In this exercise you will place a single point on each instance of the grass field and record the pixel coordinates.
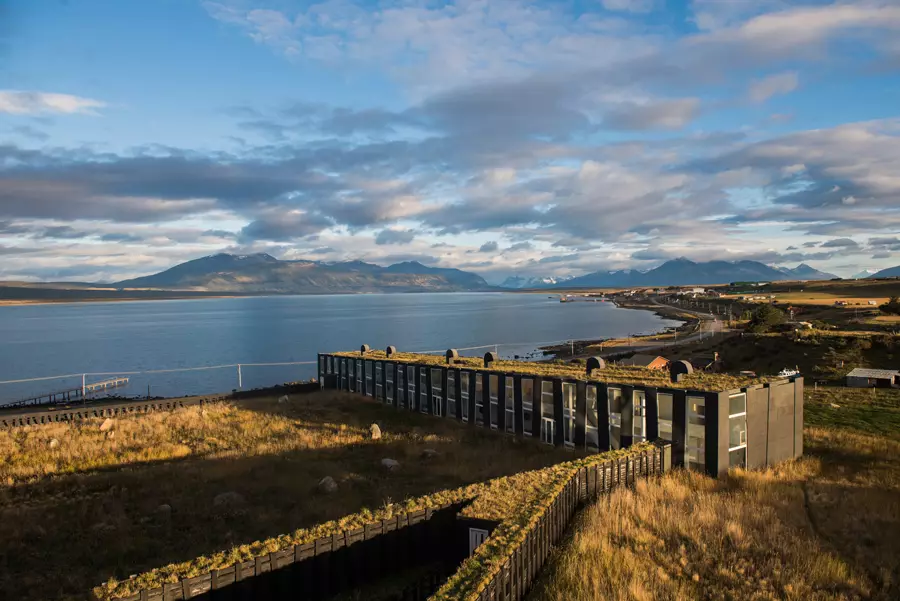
(822, 527)
(96, 505)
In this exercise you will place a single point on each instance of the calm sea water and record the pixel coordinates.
(49, 340)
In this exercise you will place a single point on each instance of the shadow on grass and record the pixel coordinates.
(63, 536)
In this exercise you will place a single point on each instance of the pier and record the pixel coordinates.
(70, 394)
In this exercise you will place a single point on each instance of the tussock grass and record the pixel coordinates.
(823, 527)
(618, 374)
(89, 511)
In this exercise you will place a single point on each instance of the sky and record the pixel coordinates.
(505, 138)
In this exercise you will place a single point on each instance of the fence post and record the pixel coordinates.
(240, 386)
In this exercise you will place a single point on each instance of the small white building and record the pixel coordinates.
(873, 378)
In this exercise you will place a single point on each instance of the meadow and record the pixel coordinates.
(821, 527)
(83, 504)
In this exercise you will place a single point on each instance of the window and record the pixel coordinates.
(569, 393)
(479, 398)
(321, 369)
(664, 413)
(548, 424)
(359, 376)
(510, 401)
(451, 394)
(737, 430)
(379, 390)
(592, 432)
(368, 378)
(390, 381)
(639, 421)
(401, 396)
(423, 391)
(495, 395)
(411, 382)
(464, 395)
(614, 405)
(329, 365)
(343, 374)
(696, 434)
(527, 405)
(437, 392)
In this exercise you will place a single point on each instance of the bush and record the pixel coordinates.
(765, 319)
(892, 307)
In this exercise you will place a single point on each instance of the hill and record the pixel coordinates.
(682, 272)
(262, 273)
(890, 272)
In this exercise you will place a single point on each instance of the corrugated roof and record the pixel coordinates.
(881, 374)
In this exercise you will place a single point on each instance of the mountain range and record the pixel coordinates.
(890, 272)
(519, 282)
(263, 273)
(680, 272)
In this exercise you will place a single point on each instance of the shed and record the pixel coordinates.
(648, 361)
(862, 377)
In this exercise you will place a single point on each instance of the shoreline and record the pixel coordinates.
(689, 324)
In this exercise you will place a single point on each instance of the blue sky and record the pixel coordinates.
(502, 137)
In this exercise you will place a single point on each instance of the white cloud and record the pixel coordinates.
(781, 83)
(17, 102)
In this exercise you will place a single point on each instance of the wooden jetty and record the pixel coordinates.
(70, 394)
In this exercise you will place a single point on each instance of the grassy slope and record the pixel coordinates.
(87, 509)
(823, 527)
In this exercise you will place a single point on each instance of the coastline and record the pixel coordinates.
(619, 346)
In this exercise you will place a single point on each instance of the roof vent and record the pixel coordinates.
(490, 358)
(595, 363)
(390, 351)
(451, 355)
(679, 369)
(364, 349)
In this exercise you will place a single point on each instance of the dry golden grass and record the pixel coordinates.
(88, 510)
(823, 527)
(617, 374)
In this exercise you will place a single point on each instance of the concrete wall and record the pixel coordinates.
(757, 426)
(781, 422)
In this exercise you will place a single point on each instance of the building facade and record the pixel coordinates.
(709, 430)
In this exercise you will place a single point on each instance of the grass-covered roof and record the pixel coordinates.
(611, 374)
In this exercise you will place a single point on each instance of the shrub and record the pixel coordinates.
(892, 307)
(765, 319)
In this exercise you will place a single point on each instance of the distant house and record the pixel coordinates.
(873, 378)
(648, 361)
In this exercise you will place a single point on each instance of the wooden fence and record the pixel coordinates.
(518, 573)
(330, 565)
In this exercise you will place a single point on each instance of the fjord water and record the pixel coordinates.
(115, 337)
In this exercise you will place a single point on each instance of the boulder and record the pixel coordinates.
(228, 500)
(375, 432)
(284, 399)
(54, 444)
(107, 425)
(164, 511)
(429, 454)
(327, 485)
(390, 464)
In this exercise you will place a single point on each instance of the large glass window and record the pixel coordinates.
(379, 390)
(527, 405)
(451, 394)
(665, 410)
(411, 383)
(639, 421)
(464, 395)
(343, 374)
(423, 391)
(369, 378)
(592, 433)
(495, 395)
(479, 400)
(614, 408)
(390, 381)
(510, 402)
(548, 424)
(569, 393)
(359, 376)
(737, 430)
(401, 389)
(696, 434)
(437, 394)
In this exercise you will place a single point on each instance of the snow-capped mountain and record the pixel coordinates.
(519, 282)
